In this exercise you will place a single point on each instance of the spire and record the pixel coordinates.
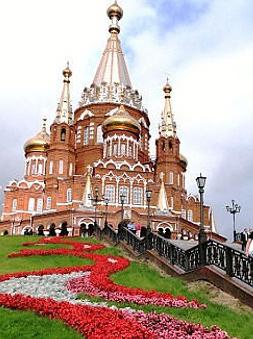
(44, 127)
(162, 198)
(168, 125)
(88, 189)
(64, 108)
(112, 67)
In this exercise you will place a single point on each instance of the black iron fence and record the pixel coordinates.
(234, 263)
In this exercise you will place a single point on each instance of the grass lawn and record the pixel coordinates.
(238, 323)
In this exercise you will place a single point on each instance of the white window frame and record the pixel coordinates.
(110, 193)
(183, 214)
(69, 195)
(39, 205)
(100, 139)
(49, 203)
(137, 196)
(14, 205)
(86, 135)
(70, 169)
(31, 205)
(61, 166)
(171, 178)
(189, 215)
(40, 168)
(51, 166)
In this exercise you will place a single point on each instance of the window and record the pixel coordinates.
(172, 202)
(189, 215)
(69, 195)
(63, 134)
(60, 166)
(33, 168)
(70, 169)
(40, 169)
(39, 205)
(14, 205)
(86, 135)
(49, 203)
(99, 135)
(31, 204)
(178, 179)
(130, 151)
(51, 164)
(138, 196)
(183, 214)
(115, 149)
(91, 131)
(123, 190)
(171, 178)
(123, 149)
(110, 193)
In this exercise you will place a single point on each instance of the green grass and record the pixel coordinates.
(16, 324)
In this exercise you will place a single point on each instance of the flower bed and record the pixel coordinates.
(107, 322)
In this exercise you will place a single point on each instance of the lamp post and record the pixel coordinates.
(148, 235)
(234, 209)
(201, 181)
(95, 199)
(122, 201)
(106, 210)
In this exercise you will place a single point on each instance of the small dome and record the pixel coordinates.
(183, 159)
(67, 72)
(115, 10)
(121, 120)
(167, 88)
(38, 143)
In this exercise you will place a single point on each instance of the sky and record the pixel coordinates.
(205, 47)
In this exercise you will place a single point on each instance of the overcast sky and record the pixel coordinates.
(204, 46)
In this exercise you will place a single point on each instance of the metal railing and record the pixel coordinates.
(234, 263)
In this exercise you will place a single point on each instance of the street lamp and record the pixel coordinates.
(106, 210)
(95, 200)
(122, 201)
(234, 209)
(148, 198)
(201, 181)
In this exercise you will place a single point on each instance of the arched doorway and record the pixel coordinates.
(27, 231)
(83, 230)
(52, 230)
(41, 230)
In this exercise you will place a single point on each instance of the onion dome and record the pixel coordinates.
(38, 143)
(167, 88)
(115, 11)
(67, 73)
(183, 159)
(123, 121)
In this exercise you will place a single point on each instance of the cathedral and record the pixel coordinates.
(95, 165)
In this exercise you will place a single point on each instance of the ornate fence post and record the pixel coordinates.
(229, 262)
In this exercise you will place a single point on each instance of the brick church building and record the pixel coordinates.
(101, 152)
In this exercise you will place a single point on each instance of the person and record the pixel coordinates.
(244, 239)
(249, 246)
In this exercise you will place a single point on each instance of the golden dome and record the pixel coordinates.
(121, 120)
(38, 143)
(67, 72)
(183, 159)
(115, 10)
(167, 88)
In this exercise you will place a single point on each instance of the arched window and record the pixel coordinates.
(110, 193)
(123, 149)
(51, 165)
(99, 135)
(130, 151)
(115, 149)
(39, 205)
(70, 169)
(49, 203)
(124, 190)
(14, 205)
(138, 196)
(189, 215)
(63, 134)
(86, 135)
(31, 204)
(40, 169)
(171, 179)
(69, 195)
(183, 214)
(60, 166)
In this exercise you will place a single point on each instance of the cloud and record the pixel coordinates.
(205, 47)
